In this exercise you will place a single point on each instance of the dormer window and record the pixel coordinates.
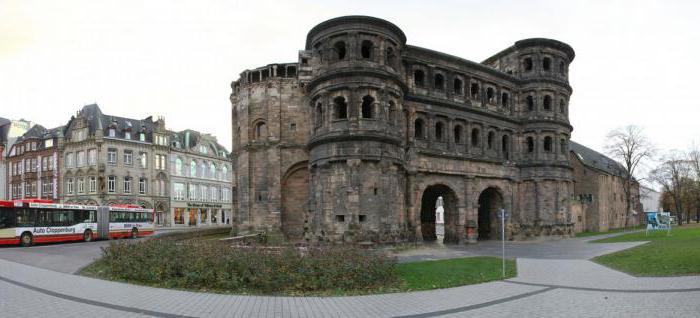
(142, 137)
(127, 135)
(112, 132)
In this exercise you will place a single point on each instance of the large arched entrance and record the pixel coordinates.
(490, 202)
(427, 214)
(295, 194)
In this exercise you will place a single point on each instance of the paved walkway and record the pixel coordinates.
(543, 288)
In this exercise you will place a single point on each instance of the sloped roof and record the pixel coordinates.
(97, 120)
(596, 160)
(188, 139)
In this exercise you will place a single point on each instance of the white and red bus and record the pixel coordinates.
(36, 221)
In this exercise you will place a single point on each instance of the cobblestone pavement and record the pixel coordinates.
(547, 285)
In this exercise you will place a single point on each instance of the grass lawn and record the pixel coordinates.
(677, 254)
(452, 272)
(588, 233)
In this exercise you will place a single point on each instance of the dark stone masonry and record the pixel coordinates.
(356, 140)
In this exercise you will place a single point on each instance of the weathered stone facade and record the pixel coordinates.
(599, 192)
(358, 139)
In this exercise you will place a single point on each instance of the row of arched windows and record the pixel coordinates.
(546, 64)
(547, 104)
(368, 109)
(367, 51)
(204, 169)
(438, 84)
(547, 144)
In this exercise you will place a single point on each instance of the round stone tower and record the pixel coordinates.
(356, 154)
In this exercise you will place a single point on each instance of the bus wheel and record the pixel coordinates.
(134, 233)
(87, 236)
(26, 239)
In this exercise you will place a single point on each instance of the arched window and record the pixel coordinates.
(562, 146)
(202, 170)
(504, 99)
(439, 82)
(340, 108)
(224, 173)
(390, 57)
(547, 144)
(527, 64)
(193, 169)
(546, 64)
(367, 105)
(260, 130)
(475, 137)
(339, 48)
(547, 103)
(489, 139)
(418, 78)
(530, 103)
(489, 95)
(319, 115)
(505, 147)
(418, 127)
(392, 112)
(530, 145)
(366, 49)
(457, 86)
(474, 91)
(439, 128)
(562, 106)
(457, 133)
(212, 170)
(178, 166)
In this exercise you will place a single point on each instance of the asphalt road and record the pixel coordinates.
(61, 257)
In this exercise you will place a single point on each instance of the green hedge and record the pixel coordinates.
(196, 264)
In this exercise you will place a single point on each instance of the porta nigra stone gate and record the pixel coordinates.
(356, 141)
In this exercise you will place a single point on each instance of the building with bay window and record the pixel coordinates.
(200, 174)
(114, 160)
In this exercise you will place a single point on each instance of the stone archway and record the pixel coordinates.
(490, 202)
(427, 214)
(295, 195)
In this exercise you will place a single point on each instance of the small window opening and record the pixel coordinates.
(505, 147)
(474, 90)
(530, 145)
(439, 82)
(457, 86)
(367, 105)
(418, 128)
(291, 71)
(530, 103)
(547, 103)
(375, 190)
(366, 49)
(304, 61)
(339, 48)
(546, 64)
(340, 218)
(475, 137)
(548, 144)
(439, 126)
(340, 108)
(418, 78)
(319, 114)
(260, 130)
(362, 218)
(489, 94)
(458, 134)
(489, 139)
(528, 64)
(504, 99)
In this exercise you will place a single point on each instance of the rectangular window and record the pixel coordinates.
(214, 194)
(127, 157)
(34, 188)
(44, 163)
(203, 189)
(81, 185)
(81, 158)
(127, 135)
(224, 194)
(93, 185)
(112, 156)
(111, 184)
(112, 132)
(69, 186)
(142, 186)
(92, 157)
(179, 191)
(142, 137)
(70, 160)
(193, 192)
(127, 185)
(48, 143)
(143, 160)
(179, 216)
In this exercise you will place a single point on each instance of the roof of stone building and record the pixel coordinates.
(39, 132)
(97, 120)
(188, 139)
(596, 160)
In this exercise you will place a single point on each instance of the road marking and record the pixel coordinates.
(92, 302)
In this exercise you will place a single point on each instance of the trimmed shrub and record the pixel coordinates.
(196, 264)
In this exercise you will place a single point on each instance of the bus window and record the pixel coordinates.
(43, 217)
(25, 217)
(92, 216)
(7, 218)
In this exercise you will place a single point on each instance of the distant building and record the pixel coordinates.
(650, 198)
(599, 195)
(10, 130)
(201, 177)
(33, 164)
(114, 160)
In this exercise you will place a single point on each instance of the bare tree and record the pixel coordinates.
(672, 175)
(630, 146)
(694, 161)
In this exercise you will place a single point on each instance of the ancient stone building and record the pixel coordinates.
(599, 192)
(357, 139)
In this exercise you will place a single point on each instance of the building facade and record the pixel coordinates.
(599, 192)
(201, 176)
(33, 165)
(110, 160)
(10, 130)
(358, 139)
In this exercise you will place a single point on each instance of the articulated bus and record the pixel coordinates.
(36, 221)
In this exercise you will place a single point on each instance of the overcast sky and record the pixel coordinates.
(636, 61)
